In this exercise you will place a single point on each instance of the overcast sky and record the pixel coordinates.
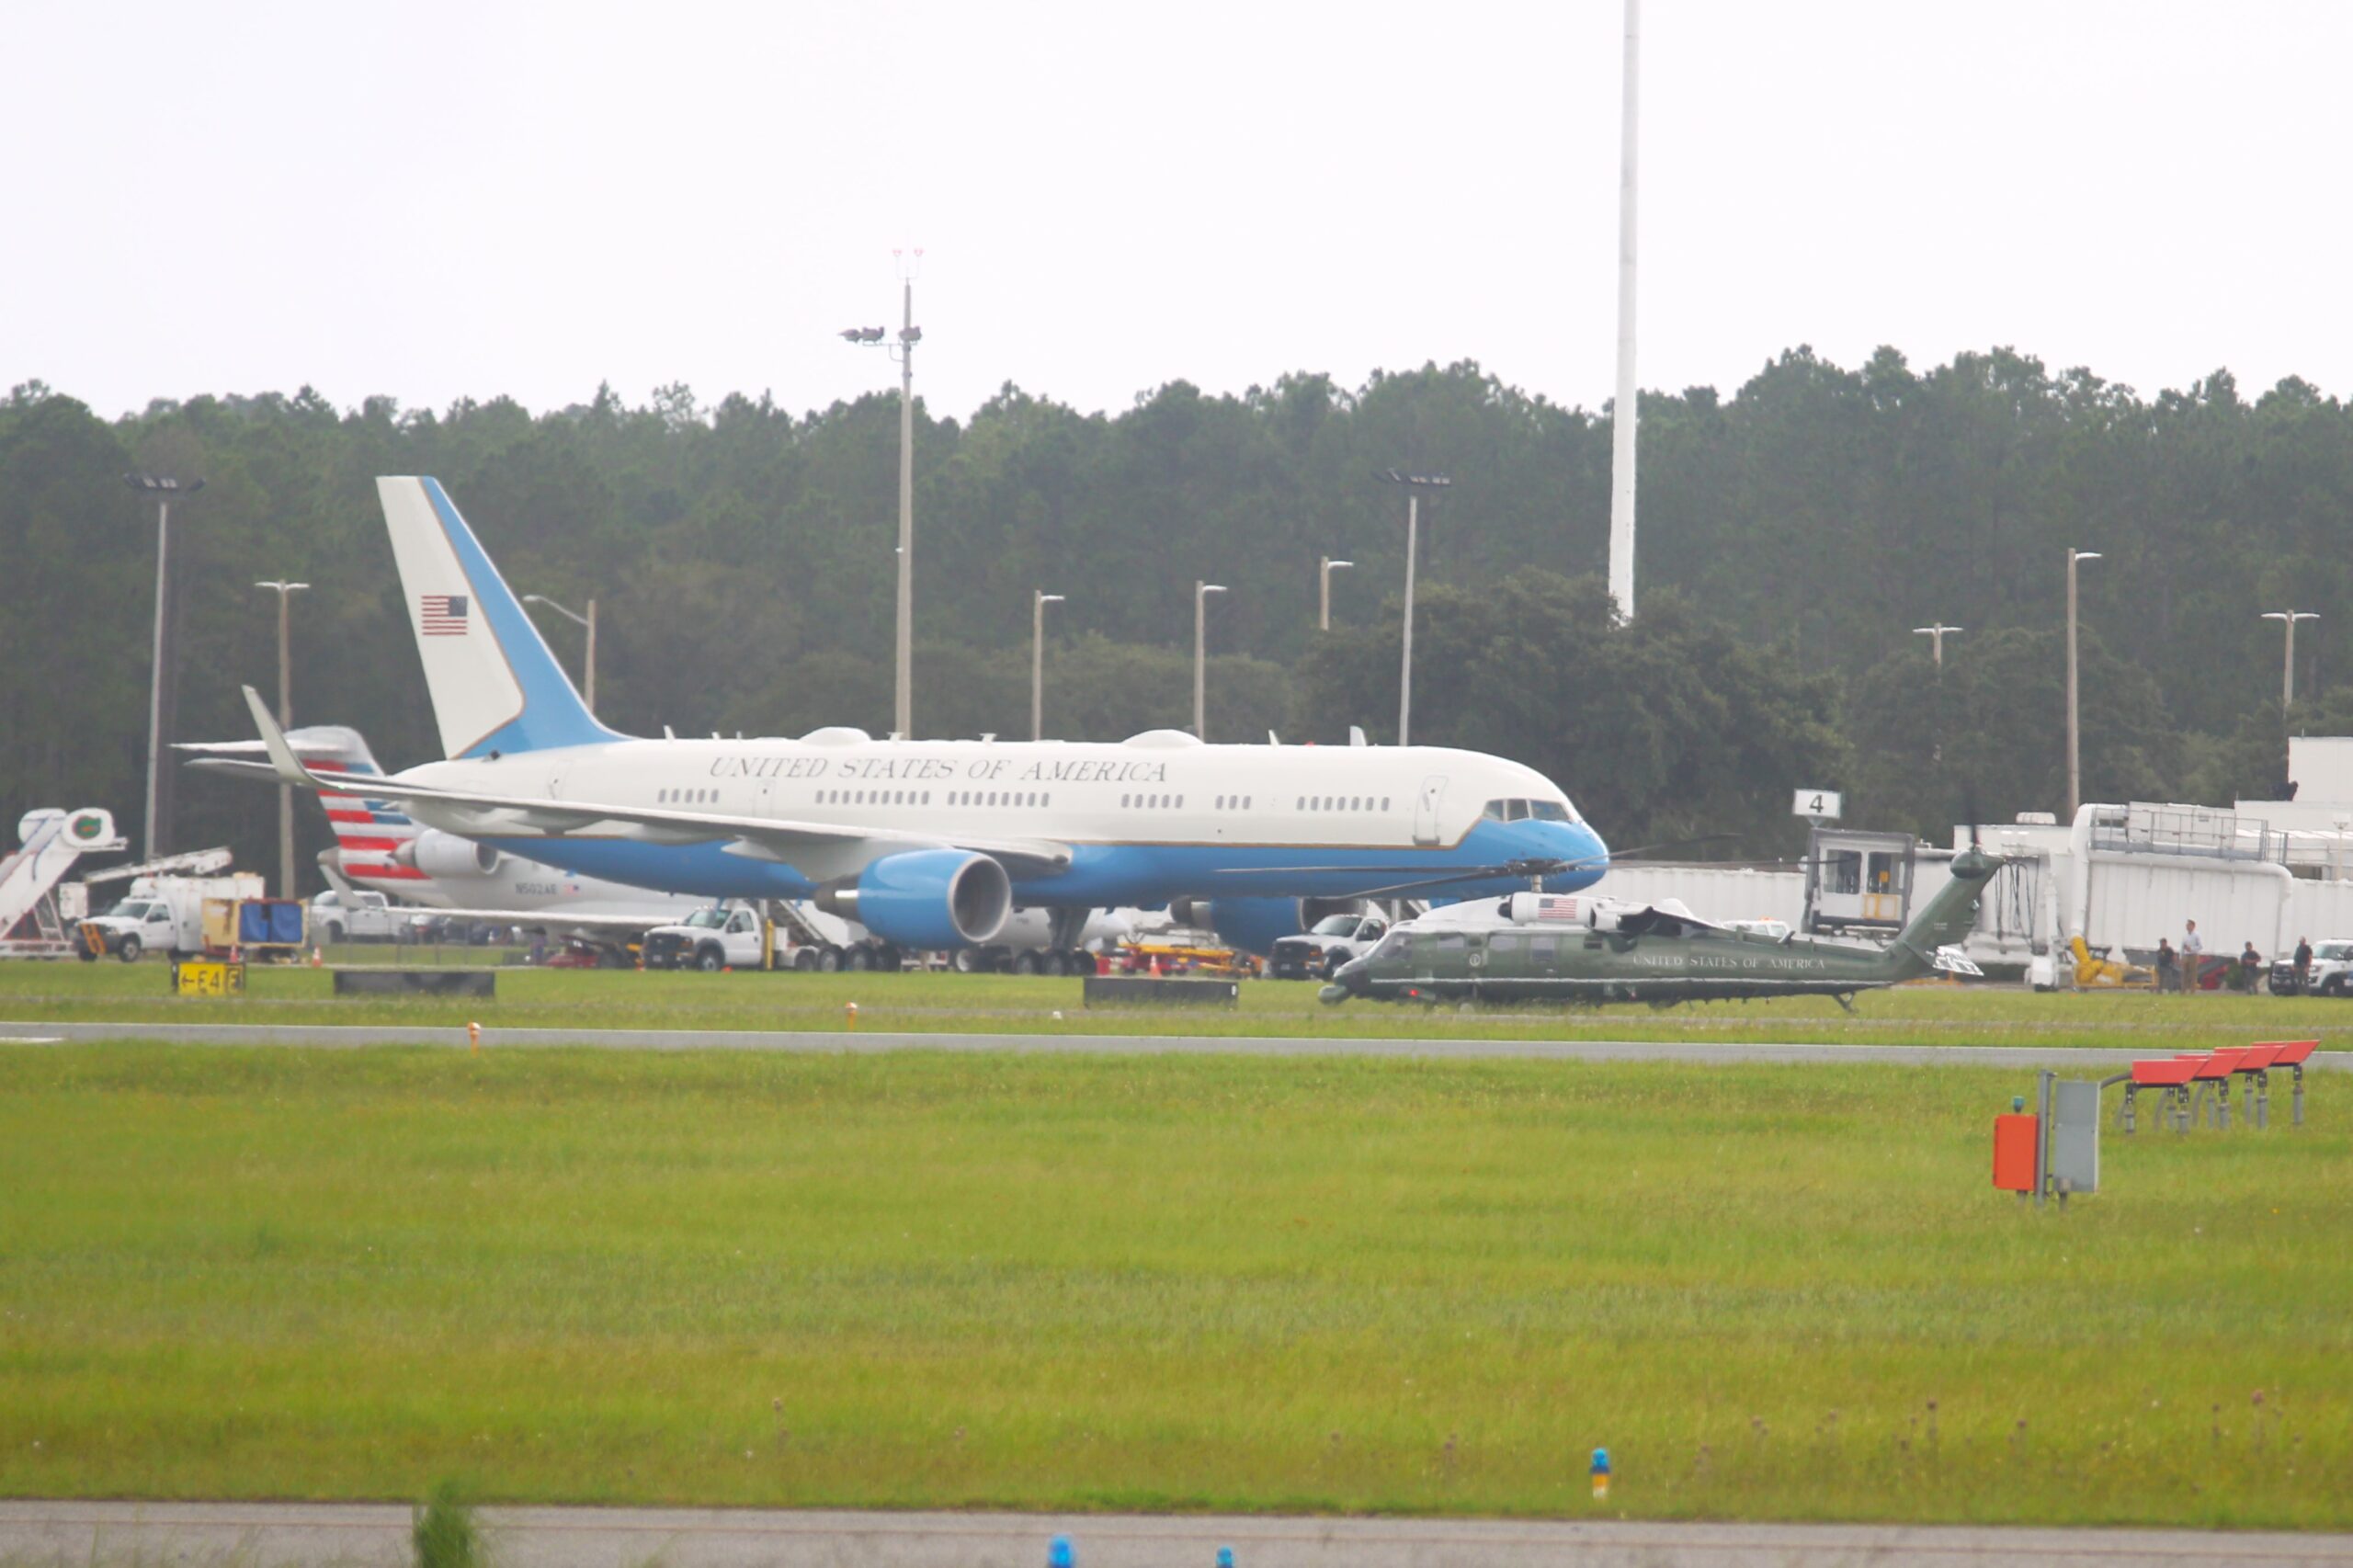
(442, 201)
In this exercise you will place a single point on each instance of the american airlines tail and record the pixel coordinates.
(370, 835)
(495, 686)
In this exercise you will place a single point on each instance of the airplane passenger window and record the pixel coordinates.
(1180, 802)
(1384, 802)
(1245, 802)
(1302, 805)
(1123, 799)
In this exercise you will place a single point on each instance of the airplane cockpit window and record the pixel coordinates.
(1521, 810)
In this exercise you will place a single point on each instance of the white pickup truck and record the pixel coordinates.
(356, 916)
(165, 914)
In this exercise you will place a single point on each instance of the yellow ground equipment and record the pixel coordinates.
(2106, 974)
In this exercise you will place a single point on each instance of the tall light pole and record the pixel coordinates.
(1324, 619)
(2287, 618)
(164, 489)
(1414, 484)
(587, 623)
(1937, 635)
(1202, 592)
(285, 591)
(904, 350)
(1624, 414)
(2075, 732)
(1039, 600)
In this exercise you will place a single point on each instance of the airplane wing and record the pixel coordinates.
(832, 848)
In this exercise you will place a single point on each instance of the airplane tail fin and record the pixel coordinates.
(495, 686)
(369, 833)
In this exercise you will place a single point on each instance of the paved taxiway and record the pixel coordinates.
(860, 1041)
(256, 1535)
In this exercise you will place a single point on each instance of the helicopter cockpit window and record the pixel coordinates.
(1396, 945)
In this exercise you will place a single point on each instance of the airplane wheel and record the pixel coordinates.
(1051, 963)
(966, 961)
(1025, 963)
(129, 950)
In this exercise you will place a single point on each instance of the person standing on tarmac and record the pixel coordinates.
(2193, 948)
(2303, 963)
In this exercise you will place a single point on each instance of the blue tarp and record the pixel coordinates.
(276, 920)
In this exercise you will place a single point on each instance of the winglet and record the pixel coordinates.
(281, 755)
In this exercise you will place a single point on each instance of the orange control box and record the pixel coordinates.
(2014, 1152)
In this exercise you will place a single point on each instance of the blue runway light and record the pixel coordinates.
(1225, 1557)
(1059, 1553)
(1601, 1474)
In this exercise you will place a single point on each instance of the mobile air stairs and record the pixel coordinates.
(40, 910)
(32, 926)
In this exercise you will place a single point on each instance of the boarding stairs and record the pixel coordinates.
(806, 926)
(31, 924)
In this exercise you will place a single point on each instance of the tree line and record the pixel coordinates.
(742, 555)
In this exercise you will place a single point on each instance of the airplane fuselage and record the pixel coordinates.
(1159, 817)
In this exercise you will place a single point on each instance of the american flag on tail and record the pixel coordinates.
(441, 615)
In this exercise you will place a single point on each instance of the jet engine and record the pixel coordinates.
(438, 854)
(926, 898)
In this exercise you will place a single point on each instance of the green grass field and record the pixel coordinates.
(926, 1279)
(1930, 1014)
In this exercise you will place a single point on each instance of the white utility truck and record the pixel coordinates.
(165, 914)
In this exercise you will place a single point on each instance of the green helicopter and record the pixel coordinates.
(1538, 946)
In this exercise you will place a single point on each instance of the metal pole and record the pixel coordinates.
(590, 698)
(1039, 600)
(285, 722)
(156, 679)
(1324, 614)
(1405, 676)
(2075, 732)
(906, 693)
(1625, 414)
(1200, 658)
(2042, 1133)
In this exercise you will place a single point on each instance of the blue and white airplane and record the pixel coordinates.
(928, 844)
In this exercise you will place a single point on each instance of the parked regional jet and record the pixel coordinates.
(928, 844)
(379, 847)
